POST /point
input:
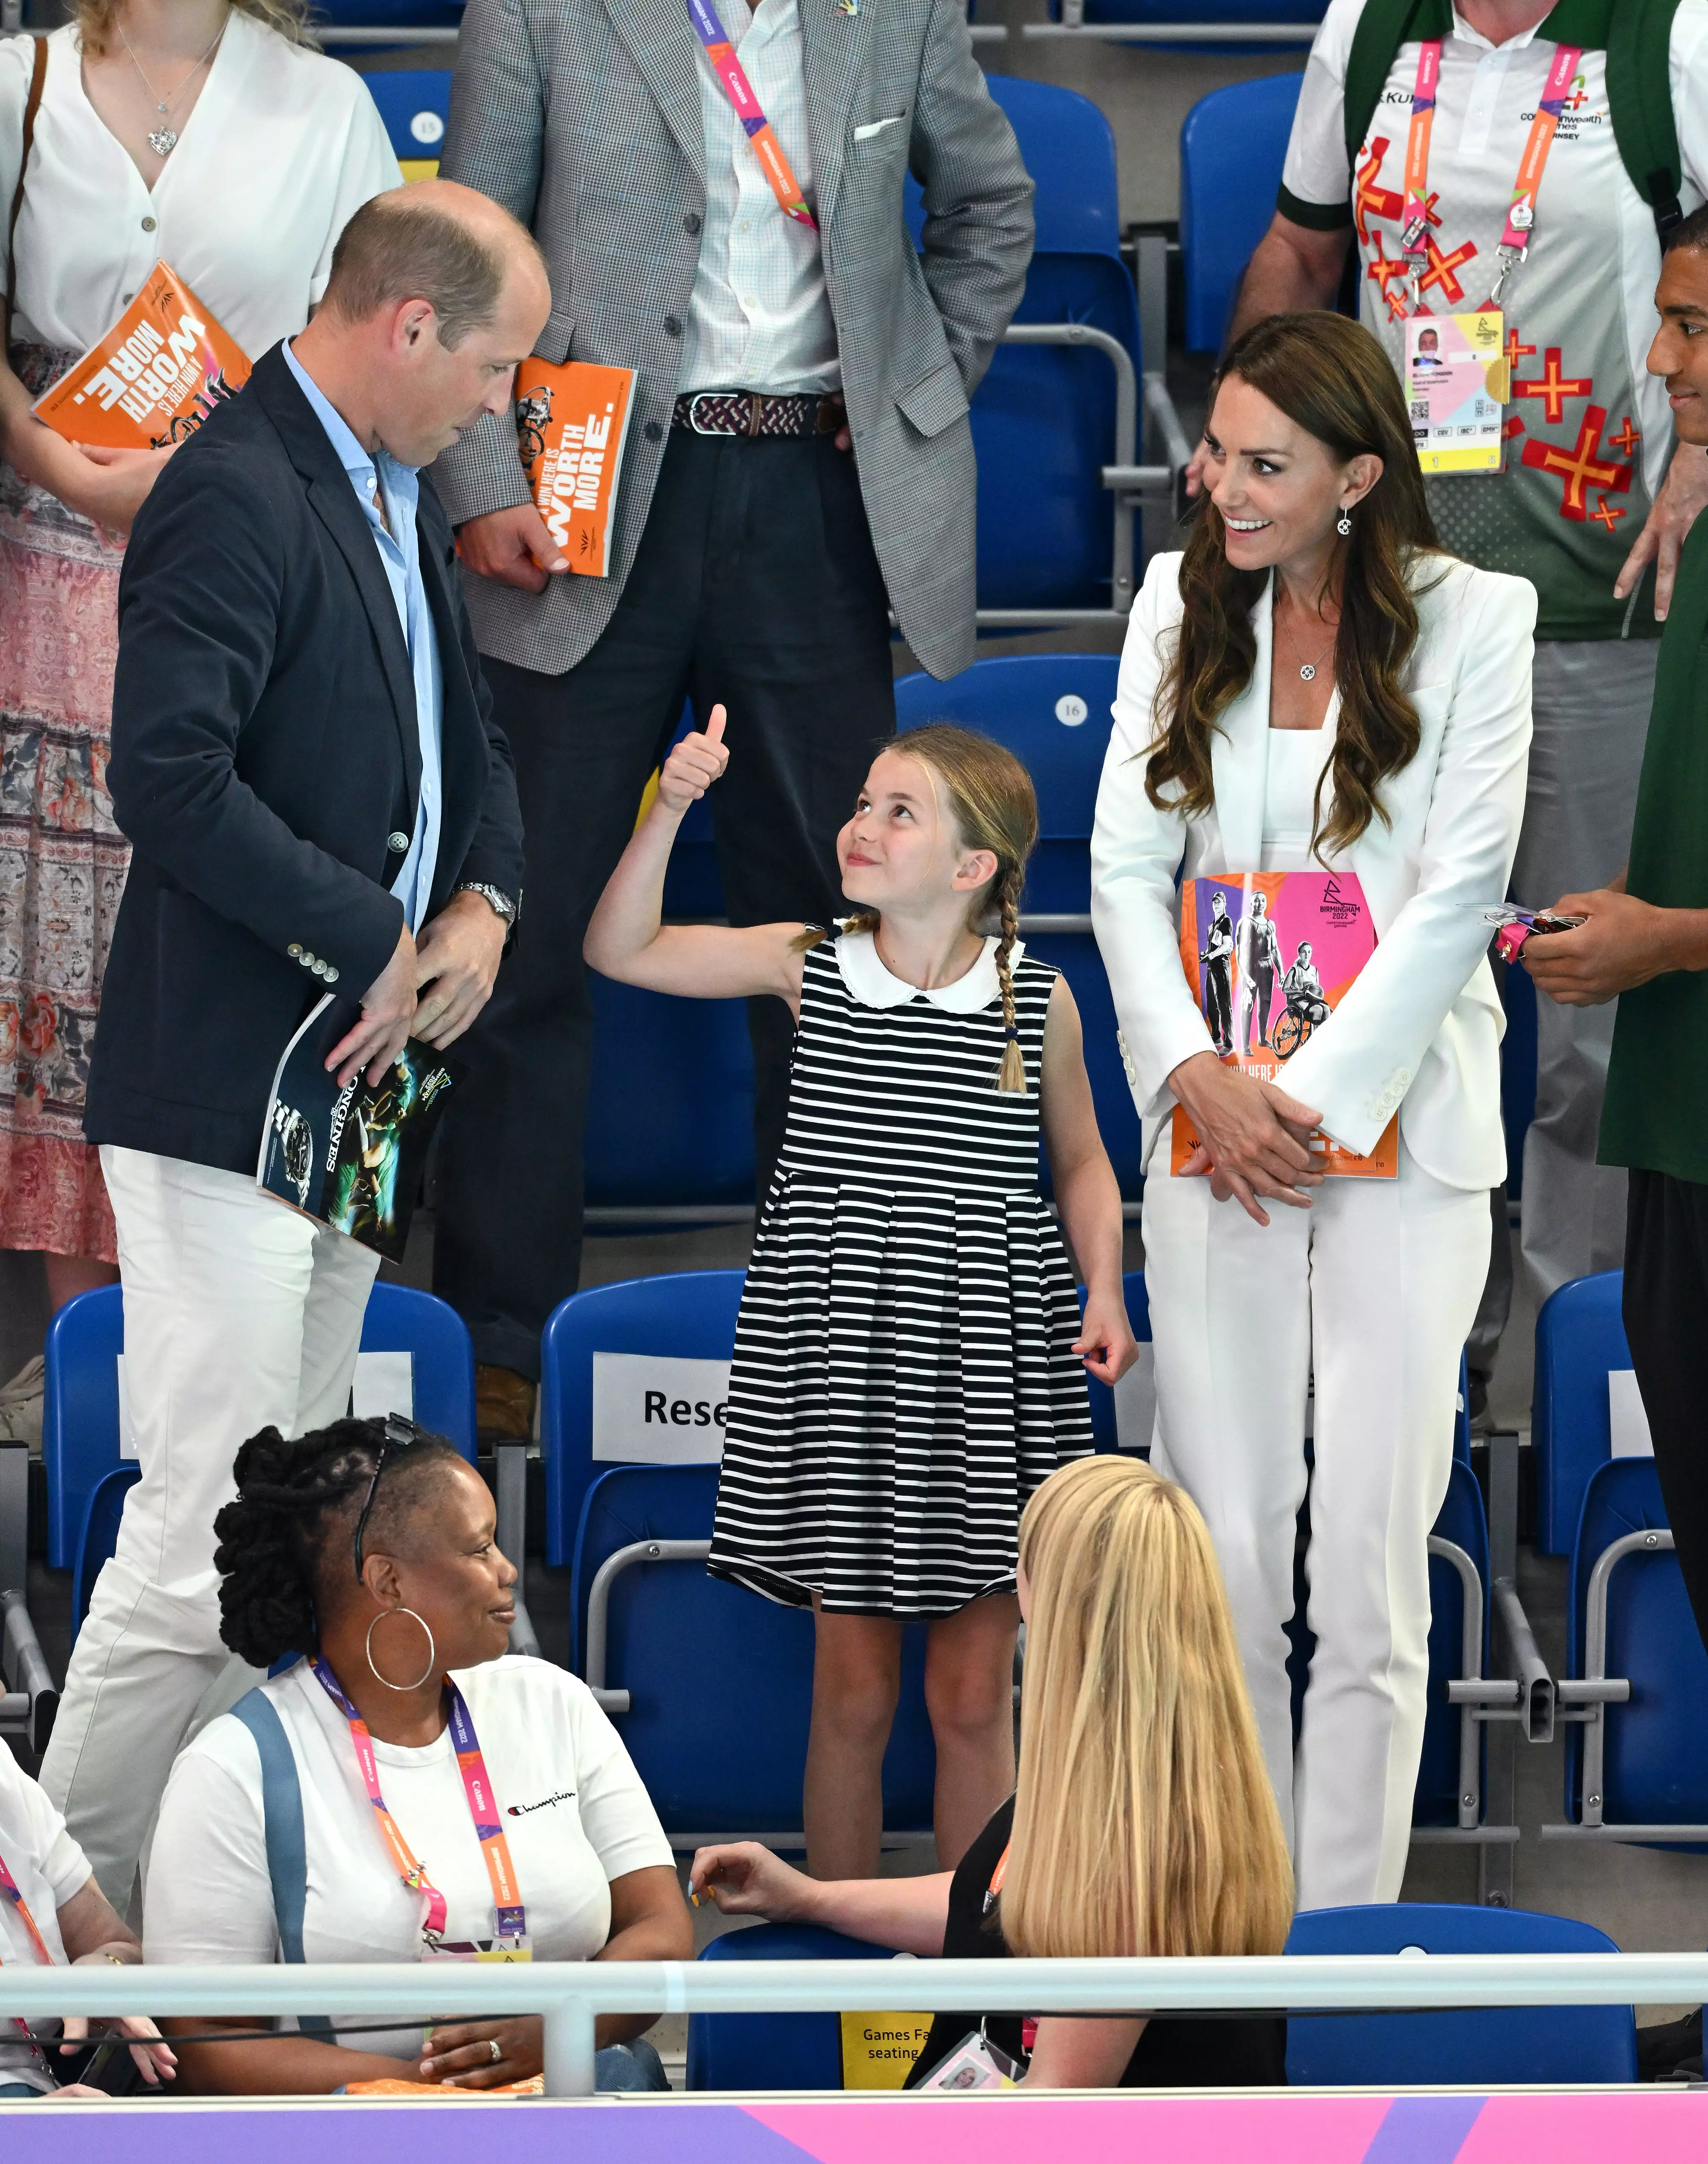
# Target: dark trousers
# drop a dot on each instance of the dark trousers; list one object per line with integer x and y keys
{"x": 1219, "y": 997}
{"x": 755, "y": 583}
{"x": 1666, "y": 1321}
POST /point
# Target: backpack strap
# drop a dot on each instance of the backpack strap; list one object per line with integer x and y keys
{"x": 287, "y": 1851}
{"x": 1640, "y": 99}
{"x": 31, "y": 106}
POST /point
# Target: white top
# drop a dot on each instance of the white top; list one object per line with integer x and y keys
{"x": 1420, "y": 1031}
{"x": 758, "y": 318}
{"x": 1296, "y": 758}
{"x": 873, "y": 985}
{"x": 282, "y": 146}
{"x": 49, "y": 1867}
{"x": 575, "y": 1814}
{"x": 1484, "y": 102}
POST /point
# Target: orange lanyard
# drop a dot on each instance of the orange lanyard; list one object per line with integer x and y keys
{"x": 1521, "y": 212}
{"x": 9, "y": 1892}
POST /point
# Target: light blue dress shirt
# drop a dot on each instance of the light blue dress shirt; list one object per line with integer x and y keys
{"x": 400, "y": 553}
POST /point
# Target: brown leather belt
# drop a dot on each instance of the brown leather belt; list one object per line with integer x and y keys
{"x": 758, "y": 414}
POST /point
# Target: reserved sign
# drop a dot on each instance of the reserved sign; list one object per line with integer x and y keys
{"x": 650, "y": 1410}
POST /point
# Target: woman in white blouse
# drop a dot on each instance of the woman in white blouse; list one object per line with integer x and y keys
{"x": 1314, "y": 686}
{"x": 367, "y": 1548}
{"x": 211, "y": 138}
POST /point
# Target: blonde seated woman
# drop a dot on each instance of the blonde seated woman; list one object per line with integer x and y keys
{"x": 1144, "y": 1821}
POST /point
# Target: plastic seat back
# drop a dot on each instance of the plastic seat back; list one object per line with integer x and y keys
{"x": 720, "y": 1679}
{"x": 1208, "y": 13}
{"x": 1481, "y": 2047}
{"x": 333, "y": 15}
{"x": 98, "y": 1537}
{"x": 689, "y": 1315}
{"x": 774, "y": 2051}
{"x": 1654, "y": 1766}
{"x": 1580, "y": 1338}
{"x": 1044, "y": 417}
{"x": 80, "y": 1413}
{"x": 403, "y": 1321}
{"x": 1233, "y": 145}
{"x": 415, "y": 104}
{"x": 1462, "y": 1521}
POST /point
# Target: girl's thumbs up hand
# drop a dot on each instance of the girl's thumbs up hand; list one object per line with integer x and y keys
{"x": 694, "y": 764}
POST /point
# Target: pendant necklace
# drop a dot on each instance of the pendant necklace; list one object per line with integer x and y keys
{"x": 1307, "y": 669}
{"x": 164, "y": 140}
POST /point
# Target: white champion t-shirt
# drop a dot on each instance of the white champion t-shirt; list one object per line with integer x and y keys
{"x": 48, "y": 1867}
{"x": 573, "y": 1807}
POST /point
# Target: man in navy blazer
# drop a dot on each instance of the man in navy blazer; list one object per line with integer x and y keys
{"x": 304, "y": 763}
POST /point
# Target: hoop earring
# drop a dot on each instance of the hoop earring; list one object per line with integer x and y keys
{"x": 1343, "y": 523}
{"x": 432, "y": 1650}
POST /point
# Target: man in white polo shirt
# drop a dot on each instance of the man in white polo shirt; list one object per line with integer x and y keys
{"x": 1590, "y": 467}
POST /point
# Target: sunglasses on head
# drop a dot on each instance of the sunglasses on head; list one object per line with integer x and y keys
{"x": 400, "y": 1434}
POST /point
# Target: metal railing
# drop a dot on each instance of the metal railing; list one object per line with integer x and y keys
{"x": 570, "y": 1995}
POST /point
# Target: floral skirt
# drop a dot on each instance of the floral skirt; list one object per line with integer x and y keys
{"x": 62, "y": 860}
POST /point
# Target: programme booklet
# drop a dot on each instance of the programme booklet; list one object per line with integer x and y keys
{"x": 154, "y": 379}
{"x": 572, "y": 421}
{"x": 1270, "y": 956}
{"x": 351, "y": 1158}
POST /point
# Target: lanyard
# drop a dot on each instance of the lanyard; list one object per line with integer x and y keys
{"x": 509, "y": 1917}
{"x": 739, "y": 90}
{"x": 1521, "y": 214}
{"x": 9, "y": 1892}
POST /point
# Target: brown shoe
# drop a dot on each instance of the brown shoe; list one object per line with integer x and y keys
{"x": 504, "y": 1403}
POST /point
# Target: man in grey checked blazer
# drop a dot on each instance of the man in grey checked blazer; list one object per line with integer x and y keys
{"x": 760, "y": 542}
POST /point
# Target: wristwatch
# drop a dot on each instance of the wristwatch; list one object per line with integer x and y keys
{"x": 495, "y": 898}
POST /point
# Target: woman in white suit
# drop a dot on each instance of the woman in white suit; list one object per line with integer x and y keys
{"x": 1313, "y": 684}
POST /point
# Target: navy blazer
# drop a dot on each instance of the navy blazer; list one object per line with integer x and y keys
{"x": 265, "y": 752}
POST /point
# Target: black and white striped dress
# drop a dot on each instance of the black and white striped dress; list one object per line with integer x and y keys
{"x": 903, "y": 1377}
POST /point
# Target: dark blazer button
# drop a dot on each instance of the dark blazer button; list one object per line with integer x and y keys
{"x": 653, "y": 431}
{"x": 398, "y": 844}
{"x": 295, "y": 951}
{"x": 691, "y": 223}
{"x": 674, "y": 325}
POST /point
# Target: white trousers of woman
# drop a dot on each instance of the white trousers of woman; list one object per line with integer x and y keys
{"x": 1374, "y": 1288}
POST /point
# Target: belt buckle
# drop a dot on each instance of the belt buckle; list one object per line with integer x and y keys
{"x": 693, "y": 412}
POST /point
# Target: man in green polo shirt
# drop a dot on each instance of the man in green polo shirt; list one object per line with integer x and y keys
{"x": 1646, "y": 942}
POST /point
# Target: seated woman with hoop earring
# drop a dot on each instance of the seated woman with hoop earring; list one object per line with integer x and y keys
{"x": 366, "y": 1550}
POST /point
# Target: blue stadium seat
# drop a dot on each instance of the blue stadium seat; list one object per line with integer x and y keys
{"x": 415, "y": 104}
{"x": 679, "y": 1642}
{"x": 1044, "y": 417}
{"x": 1052, "y": 712}
{"x": 86, "y": 1477}
{"x": 689, "y": 1315}
{"x": 333, "y": 16}
{"x": 1479, "y": 2048}
{"x": 1232, "y": 144}
{"x": 1579, "y": 1338}
{"x": 1210, "y": 14}
{"x": 1646, "y": 1760}
{"x": 774, "y": 2051}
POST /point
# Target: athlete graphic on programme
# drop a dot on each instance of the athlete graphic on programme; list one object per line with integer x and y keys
{"x": 1301, "y": 988}
{"x": 1260, "y": 963}
{"x": 1217, "y": 962}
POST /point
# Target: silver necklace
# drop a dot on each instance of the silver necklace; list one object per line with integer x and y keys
{"x": 164, "y": 140}
{"x": 1307, "y": 669}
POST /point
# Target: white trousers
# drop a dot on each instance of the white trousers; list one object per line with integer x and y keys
{"x": 1591, "y": 700}
{"x": 1375, "y": 1288}
{"x": 238, "y": 1315}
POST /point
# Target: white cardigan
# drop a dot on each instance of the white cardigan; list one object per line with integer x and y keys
{"x": 1421, "y": 1029}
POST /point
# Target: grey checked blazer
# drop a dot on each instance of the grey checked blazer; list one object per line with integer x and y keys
{"x": 582, "y": 116}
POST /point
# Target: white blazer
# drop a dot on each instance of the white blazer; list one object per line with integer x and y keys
{"x": 1420, "y": 1031}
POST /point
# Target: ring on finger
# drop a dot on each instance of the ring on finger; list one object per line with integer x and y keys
{"x": 496, "y": 2050}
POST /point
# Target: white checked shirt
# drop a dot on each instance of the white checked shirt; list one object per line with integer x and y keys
{"x": 759, "y": 318}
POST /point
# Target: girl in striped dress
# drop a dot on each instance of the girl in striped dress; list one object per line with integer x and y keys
{"x": 910, "y": 1358}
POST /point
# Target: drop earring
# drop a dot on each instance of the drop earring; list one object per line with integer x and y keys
{"x": 1343, "y": 523}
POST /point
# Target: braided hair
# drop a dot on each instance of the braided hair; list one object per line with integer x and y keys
{"x": 291, "y": 1496}
{"x": 991, "y": 802}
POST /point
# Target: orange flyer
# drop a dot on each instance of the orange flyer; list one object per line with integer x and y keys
{"x": 571, "y": 422}
{"x": 1270, "y": 956}
{"x": 154, "y": 379}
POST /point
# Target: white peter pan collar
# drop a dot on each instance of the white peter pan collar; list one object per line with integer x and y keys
{"x": 873, "y": 985}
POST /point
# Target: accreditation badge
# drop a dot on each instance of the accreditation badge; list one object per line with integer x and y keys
{"x": 1457, "y": 387}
